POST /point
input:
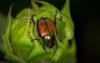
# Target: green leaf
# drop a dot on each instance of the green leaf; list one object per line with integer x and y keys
{"x": 6, "y": 46}
{"x": 7, "y": 30}
{"x": 66, "y": 9}
{"x": 9, "y": 55}
{"x": 34, "y": 5}
{"x": 69, "y": 25}
{"x": 47, "y": 7}
{"x": 20, "y": 38}
{"x": 37, "y": 51}
{"x": 28, "y": 12}
{"x": 69, "y": 28}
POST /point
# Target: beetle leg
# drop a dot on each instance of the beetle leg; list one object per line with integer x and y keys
{"x": 34, "y": 39}
{"x": 55, "y": 17}
{"x": 44, "y": 47}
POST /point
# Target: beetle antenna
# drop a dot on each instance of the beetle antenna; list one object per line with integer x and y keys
{"x": 55, "y": 17}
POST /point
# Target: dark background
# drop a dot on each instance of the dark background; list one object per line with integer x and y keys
{"x": 85, "y": 14}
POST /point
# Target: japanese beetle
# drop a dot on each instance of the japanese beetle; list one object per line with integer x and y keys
{"x": 46, "y": 29}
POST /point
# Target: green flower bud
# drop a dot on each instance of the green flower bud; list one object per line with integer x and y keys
{"x": 20, "y": 34}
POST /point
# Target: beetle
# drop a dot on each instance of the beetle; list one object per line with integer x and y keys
{"x": 46, "y": 29}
